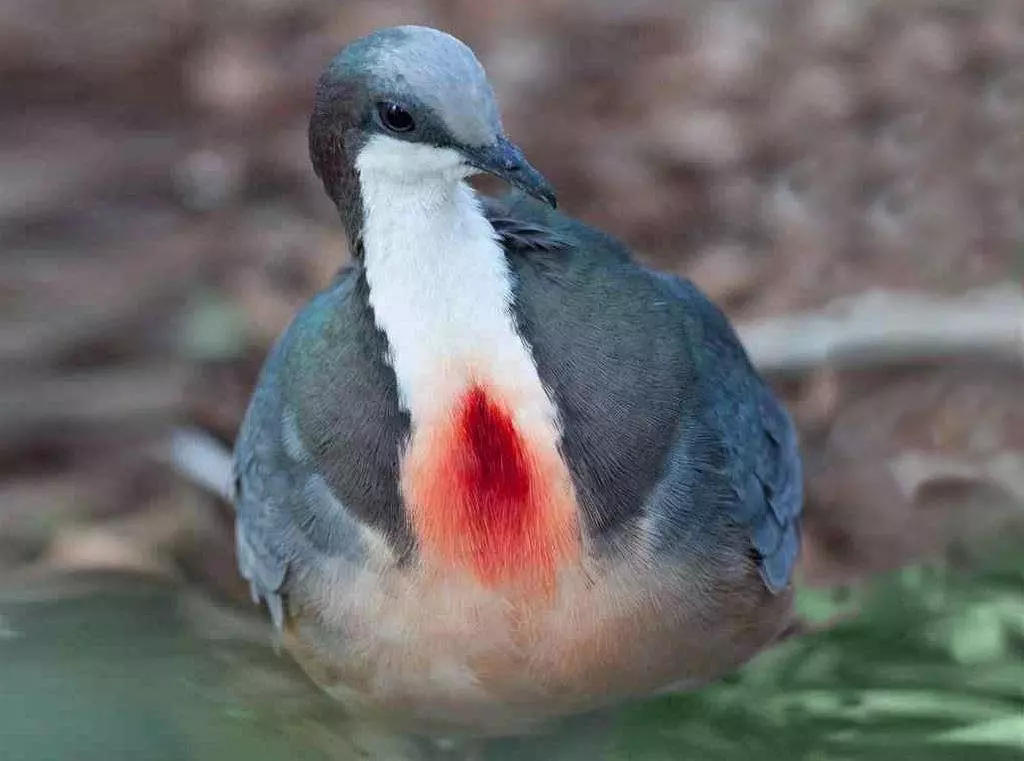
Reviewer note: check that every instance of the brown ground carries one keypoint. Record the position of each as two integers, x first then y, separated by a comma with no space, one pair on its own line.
161,223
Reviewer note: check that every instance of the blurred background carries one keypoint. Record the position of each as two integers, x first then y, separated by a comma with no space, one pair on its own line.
160,223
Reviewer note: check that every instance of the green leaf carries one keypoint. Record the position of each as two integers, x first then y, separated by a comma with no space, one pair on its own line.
1008,731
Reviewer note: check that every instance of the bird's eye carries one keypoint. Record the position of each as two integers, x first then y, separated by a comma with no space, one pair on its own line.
395,118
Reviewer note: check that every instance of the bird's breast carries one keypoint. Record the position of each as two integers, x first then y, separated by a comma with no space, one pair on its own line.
488,491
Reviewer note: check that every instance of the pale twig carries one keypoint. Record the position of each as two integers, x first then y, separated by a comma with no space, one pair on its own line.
203,460
1005,470
883,327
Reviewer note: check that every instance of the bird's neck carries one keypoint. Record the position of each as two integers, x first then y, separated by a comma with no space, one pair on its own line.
440,289
482,474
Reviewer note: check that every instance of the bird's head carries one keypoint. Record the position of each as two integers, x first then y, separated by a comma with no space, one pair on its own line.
411,104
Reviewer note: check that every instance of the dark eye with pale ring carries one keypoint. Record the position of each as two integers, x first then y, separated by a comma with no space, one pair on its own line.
395,118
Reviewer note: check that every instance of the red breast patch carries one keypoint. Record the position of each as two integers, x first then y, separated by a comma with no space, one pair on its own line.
487,498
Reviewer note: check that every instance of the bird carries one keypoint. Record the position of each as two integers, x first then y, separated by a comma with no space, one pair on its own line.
498,472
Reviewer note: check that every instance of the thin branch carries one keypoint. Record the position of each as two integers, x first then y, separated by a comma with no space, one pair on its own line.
882,327
912,470
203,460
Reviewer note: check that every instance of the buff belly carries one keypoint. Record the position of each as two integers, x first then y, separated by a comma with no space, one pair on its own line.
508,618
440,653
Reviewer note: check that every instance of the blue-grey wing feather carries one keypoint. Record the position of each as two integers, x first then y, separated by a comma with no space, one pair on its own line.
261,480
762,461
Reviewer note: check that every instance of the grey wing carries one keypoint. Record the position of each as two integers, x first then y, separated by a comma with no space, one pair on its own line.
743,453
769,482
288,521
265,481
762,465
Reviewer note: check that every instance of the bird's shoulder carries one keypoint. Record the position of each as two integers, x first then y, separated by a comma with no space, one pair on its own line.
526,227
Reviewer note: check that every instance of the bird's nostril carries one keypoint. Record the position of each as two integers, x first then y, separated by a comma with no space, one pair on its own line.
511,166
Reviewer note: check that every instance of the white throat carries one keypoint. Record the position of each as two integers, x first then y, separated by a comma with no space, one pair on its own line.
440,286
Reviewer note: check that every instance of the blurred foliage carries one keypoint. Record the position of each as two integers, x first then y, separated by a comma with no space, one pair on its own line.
212,328
929,666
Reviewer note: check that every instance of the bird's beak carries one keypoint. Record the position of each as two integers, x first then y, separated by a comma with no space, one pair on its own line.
505,161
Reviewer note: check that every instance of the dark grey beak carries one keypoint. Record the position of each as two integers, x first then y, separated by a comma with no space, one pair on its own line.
505,161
